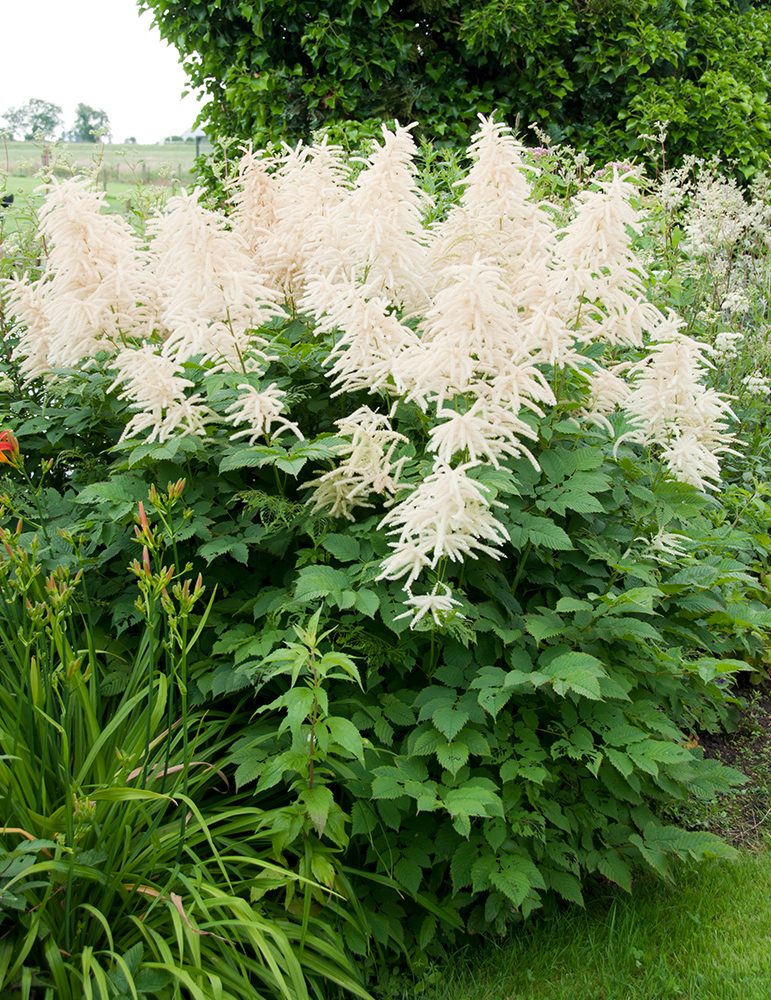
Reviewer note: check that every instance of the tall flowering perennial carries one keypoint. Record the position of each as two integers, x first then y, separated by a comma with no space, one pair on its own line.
462,333
97,291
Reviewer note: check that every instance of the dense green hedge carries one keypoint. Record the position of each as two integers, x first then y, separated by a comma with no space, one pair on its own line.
596,73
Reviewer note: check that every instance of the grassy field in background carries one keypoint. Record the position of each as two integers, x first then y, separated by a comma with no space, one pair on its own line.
115,169
117,162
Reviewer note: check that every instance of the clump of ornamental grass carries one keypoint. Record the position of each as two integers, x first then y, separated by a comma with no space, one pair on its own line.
468,448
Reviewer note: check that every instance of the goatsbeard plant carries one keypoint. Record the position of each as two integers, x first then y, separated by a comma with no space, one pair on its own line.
511,444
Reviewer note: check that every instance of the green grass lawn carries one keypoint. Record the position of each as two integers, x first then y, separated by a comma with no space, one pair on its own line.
707,936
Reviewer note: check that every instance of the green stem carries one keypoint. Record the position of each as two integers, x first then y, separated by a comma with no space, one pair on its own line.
150,678
521,567
36,497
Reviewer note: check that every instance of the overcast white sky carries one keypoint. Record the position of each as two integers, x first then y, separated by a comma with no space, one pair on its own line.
98,52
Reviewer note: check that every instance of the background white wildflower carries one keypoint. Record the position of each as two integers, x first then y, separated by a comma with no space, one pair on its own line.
726,345
757,384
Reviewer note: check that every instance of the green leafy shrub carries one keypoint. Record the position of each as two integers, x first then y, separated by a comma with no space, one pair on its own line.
595,73
455,503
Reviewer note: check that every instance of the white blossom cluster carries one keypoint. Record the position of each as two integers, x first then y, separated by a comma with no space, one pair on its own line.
726,345
467,318
757,384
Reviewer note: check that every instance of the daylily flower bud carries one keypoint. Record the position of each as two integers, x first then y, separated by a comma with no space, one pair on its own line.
9,450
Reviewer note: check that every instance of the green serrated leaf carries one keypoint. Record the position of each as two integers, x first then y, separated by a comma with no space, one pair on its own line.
318,801
427,931
546,626
449,720
320,581
452,756
224,545
613,867
386,786
566,885
409,874
342,547
346,735
252,458
544,532
463,857
367,601
575,671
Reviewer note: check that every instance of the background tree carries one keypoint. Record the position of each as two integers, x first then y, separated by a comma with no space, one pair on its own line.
593,72
34,118
89,124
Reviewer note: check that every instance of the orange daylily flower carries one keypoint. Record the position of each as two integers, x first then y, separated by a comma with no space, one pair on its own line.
9,450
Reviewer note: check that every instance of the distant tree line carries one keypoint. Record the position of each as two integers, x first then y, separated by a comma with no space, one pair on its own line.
42,119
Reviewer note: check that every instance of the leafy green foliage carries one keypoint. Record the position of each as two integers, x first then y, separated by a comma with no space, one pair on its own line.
110,780
595,73
397,779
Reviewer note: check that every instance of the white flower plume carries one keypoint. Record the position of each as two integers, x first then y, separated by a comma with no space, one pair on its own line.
260,410
445,516
368,467
438,605
156,390
213,295
96,290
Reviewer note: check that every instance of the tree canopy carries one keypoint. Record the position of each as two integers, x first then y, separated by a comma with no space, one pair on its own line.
34,118
593,72
90,124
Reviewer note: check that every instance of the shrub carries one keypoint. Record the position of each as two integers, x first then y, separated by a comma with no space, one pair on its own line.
452,481
595,73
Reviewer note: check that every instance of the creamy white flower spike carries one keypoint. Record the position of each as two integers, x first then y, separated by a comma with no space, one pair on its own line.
368,467
496,217
672,408
213,296
440,605
156,390
445,516
666,546
375,235
260,410
307,183
486,432
471,332
254,193
96,290
373,339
